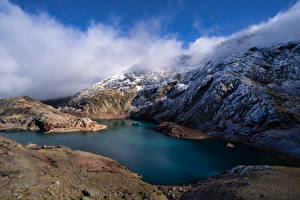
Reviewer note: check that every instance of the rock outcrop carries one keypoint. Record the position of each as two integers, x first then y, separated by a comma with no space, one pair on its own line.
252,97
29,114
177,131
59,173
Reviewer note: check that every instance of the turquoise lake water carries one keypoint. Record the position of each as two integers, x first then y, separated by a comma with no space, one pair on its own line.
158,158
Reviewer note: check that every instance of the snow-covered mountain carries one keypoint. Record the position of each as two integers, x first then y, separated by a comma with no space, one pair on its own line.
251,95
113,97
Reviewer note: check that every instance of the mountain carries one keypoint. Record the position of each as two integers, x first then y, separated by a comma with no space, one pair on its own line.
251,96
113,97
29,114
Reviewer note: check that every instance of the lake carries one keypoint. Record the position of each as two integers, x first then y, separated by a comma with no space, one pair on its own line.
158,158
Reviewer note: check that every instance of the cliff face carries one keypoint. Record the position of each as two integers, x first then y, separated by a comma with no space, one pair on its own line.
253,97
29,114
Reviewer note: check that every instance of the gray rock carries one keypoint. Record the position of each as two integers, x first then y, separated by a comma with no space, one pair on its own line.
251,96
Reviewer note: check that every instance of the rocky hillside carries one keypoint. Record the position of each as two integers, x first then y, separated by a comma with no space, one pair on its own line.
113,97
59,173
29,114
242,182
252,96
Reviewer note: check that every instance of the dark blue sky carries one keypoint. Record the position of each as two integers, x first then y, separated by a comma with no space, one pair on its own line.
188,19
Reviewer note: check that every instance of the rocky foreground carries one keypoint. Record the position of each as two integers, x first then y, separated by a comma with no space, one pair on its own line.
242,183
55,172
29,114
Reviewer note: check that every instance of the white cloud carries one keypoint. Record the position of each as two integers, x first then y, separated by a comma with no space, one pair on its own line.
283,27
42,58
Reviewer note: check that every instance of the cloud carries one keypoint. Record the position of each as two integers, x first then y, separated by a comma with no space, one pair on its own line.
283,27
44,59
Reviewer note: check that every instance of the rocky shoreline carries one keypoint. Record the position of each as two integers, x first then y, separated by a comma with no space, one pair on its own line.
29,114
57,172
176,131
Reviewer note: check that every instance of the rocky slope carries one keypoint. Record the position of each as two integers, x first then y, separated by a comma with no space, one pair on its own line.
241,183
55,172
251,96
113,97
29,114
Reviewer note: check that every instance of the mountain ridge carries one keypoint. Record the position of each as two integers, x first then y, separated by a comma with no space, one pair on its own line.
253,97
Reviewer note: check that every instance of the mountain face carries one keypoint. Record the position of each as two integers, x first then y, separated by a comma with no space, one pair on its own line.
29,114
114,97
253,97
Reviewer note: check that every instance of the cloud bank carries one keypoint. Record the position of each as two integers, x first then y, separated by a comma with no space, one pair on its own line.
44,59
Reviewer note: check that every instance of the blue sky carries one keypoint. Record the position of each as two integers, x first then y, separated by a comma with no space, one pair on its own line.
187,19
67,45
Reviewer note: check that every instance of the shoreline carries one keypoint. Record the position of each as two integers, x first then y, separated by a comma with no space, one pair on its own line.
59,172
174,130
175,192
171,129
97,127
180,132
241,174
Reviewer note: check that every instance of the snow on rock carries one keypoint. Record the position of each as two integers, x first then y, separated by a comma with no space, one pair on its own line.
252,95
